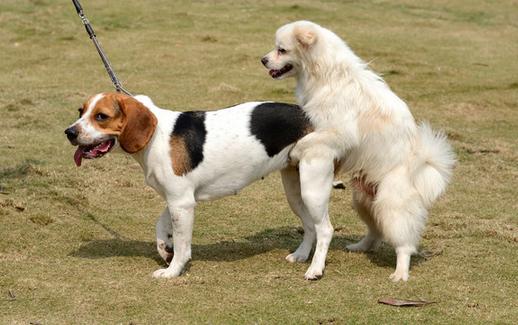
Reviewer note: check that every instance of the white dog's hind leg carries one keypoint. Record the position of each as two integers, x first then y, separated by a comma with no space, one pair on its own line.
316,178
182,222
402,230
291,182
401,217
399,231
372,239
403,263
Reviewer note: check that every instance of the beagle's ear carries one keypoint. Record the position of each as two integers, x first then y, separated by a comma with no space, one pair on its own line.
306,35
139,124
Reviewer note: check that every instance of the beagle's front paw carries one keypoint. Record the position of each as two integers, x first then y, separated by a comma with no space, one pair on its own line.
313,274
166,273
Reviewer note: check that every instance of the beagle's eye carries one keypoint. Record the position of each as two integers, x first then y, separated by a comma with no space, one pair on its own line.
99,117
281,51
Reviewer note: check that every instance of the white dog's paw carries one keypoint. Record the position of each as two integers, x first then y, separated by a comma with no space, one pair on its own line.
165,274
296,257
301,147
399,276
296,153
313,274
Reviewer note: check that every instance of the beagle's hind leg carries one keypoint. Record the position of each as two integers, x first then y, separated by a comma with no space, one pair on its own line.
291,183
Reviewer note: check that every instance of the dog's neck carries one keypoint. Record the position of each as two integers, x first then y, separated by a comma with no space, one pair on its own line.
321,80
150,157
343,75
139,156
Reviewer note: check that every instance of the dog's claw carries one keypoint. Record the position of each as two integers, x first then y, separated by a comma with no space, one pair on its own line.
313,275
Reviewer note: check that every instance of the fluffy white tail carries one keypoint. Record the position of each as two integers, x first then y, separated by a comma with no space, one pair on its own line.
435,162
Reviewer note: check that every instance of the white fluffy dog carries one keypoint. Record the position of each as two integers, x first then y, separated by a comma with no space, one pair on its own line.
399,168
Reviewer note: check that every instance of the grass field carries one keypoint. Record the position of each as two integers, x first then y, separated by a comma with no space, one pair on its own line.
77,244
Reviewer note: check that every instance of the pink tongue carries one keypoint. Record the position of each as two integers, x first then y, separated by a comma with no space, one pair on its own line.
78,156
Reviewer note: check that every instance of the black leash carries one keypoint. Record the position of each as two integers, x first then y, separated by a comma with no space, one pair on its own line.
104,58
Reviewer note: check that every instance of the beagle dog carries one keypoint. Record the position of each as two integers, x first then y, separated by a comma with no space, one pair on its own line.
189,157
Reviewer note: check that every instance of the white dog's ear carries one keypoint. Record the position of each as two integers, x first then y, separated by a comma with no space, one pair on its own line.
306,35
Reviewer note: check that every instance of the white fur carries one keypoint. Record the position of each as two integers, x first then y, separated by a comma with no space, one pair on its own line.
233,158
362,123
89,134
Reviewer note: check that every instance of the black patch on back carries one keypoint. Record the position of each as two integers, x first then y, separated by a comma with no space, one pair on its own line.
277,125
191,127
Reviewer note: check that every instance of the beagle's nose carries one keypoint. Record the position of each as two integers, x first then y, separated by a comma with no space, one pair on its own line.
71,133
264,61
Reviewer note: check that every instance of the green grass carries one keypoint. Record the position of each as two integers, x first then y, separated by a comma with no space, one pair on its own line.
77,244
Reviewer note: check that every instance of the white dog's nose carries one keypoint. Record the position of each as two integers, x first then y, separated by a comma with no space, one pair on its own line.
264,61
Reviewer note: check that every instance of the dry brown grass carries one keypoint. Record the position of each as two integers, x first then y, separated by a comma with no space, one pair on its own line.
77,244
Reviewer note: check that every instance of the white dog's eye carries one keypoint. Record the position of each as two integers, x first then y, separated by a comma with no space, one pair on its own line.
282,51
101,117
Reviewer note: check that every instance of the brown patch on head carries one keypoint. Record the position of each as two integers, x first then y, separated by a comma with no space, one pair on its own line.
113,120
179,155
124,117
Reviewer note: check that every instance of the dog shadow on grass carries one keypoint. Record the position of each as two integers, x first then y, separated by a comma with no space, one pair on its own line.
287,238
